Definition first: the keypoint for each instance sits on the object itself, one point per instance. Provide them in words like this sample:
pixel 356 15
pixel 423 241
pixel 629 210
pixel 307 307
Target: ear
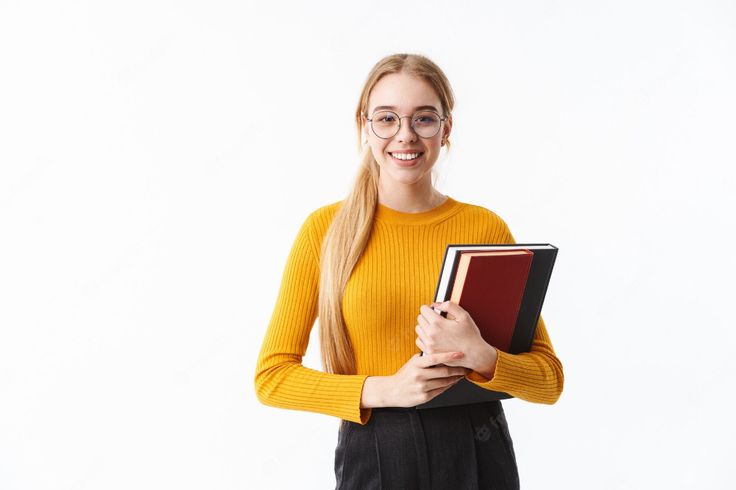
pixel 448 126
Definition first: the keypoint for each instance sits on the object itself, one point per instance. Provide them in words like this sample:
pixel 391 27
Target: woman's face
pixel 404 95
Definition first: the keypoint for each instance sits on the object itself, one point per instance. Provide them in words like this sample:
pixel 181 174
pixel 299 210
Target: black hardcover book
pixel 543 261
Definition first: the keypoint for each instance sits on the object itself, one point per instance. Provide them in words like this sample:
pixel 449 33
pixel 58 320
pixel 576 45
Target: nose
pixel 406 132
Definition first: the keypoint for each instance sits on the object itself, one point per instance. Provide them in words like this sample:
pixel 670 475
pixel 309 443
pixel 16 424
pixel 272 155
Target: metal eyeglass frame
pixel 442 119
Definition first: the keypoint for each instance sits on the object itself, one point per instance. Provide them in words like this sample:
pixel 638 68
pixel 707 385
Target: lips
pixel 400 158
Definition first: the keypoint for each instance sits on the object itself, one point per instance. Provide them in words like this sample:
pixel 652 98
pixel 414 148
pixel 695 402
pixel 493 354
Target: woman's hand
pixel 458 333
pixel 418 382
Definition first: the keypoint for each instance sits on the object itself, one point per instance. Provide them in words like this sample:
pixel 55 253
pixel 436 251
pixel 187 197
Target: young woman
pixel 366 266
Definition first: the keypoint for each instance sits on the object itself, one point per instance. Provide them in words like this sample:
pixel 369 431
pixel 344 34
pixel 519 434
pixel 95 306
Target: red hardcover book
pixel 490 285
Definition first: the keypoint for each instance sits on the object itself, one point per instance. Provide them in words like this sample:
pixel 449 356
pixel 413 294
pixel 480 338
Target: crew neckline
pixel 388 215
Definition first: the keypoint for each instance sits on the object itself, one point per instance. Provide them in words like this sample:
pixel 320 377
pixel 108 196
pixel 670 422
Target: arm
pixel 280 378
pixel 534 376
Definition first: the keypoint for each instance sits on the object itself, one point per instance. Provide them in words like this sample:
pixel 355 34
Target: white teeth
pixel 405 156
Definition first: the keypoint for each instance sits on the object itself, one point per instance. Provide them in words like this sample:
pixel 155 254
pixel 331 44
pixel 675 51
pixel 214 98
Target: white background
pixel 157 159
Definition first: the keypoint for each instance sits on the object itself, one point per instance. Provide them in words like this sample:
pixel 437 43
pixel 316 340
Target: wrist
pixel 374 392
pixel 483 360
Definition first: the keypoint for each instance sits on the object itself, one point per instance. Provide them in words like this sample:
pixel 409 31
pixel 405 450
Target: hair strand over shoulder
pixel 350 230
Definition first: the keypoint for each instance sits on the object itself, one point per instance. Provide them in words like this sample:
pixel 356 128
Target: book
pixel 502 286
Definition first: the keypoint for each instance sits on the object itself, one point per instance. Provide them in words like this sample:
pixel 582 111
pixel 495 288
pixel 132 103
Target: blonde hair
pixel 348 234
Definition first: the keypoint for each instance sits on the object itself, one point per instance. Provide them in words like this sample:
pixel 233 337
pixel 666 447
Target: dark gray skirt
pixel 465 447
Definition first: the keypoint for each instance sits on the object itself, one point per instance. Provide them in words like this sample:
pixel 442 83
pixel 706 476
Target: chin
pixel 407 177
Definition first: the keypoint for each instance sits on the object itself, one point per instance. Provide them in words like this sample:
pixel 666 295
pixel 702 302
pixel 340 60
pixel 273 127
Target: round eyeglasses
pixel 386 124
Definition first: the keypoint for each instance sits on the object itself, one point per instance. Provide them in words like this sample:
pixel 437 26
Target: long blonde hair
pixel 348 234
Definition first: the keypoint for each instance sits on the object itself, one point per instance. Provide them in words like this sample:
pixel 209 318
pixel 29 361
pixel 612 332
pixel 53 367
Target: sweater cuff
pixel 359 415
pixel 499 373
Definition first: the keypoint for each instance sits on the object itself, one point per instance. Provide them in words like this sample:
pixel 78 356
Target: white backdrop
pixel 158 157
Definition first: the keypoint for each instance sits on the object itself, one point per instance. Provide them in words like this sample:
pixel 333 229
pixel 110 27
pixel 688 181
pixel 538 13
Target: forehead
pixel 403 92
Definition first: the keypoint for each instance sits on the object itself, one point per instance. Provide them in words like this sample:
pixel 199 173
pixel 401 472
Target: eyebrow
pixel 393 108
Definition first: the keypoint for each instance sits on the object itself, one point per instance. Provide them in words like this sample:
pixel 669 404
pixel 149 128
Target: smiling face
pixel 405 94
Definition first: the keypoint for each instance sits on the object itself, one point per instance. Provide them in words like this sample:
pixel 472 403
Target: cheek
pixel 377 153
pixel 379 150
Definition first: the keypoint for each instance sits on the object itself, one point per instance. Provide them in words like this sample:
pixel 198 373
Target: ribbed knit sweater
pixel 396 274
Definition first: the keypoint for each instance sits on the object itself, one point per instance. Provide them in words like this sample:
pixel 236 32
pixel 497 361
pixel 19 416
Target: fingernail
pixel 457 355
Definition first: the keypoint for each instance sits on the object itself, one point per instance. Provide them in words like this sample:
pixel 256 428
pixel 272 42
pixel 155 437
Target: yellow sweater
pixel 396 274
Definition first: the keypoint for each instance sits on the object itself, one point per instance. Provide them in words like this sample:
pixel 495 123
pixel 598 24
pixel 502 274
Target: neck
pixel 411 200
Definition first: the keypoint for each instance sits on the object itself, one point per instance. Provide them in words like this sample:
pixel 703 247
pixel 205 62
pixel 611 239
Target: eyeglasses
pixel 386 124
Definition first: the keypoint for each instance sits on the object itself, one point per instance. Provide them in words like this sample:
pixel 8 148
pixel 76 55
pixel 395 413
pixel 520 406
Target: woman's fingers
pixel 439 358
pixel 421 345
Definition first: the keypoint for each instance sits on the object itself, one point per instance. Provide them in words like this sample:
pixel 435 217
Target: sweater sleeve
pixel 535 376
pixel 280 378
